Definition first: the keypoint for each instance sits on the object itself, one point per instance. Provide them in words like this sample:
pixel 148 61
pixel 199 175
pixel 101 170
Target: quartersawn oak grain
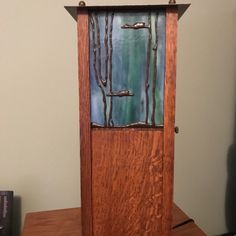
pixel 127 181
pixel 85 128
pixel 169 117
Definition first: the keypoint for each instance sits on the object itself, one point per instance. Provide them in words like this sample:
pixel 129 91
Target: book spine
pixel 6 209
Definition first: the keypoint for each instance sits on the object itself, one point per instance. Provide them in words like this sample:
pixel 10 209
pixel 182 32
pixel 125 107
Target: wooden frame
pixel 86 145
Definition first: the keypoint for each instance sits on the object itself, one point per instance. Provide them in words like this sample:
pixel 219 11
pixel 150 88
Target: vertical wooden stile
pixel 169 117
pixel 85 128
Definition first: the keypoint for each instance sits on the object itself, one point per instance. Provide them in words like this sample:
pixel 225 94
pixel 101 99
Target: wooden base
pixel 67 222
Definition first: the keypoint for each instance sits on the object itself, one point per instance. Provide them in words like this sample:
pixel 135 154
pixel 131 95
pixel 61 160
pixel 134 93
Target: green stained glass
pixel 127 66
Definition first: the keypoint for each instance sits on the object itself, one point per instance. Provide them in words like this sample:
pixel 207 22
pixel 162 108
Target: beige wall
pixel 205 110
pixel 39 141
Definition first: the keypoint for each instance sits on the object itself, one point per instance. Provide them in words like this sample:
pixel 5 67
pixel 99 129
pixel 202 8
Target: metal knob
pixel 176 129
pixel 82 4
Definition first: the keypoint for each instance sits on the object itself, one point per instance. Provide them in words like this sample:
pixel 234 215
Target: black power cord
pixel 183 223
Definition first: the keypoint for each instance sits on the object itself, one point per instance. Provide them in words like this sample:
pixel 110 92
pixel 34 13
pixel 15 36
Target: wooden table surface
pixel 67 222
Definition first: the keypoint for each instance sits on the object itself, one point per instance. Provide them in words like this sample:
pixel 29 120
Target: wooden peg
pixel 176 129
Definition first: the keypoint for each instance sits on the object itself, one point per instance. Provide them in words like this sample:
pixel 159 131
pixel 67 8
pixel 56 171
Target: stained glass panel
pixel 127 64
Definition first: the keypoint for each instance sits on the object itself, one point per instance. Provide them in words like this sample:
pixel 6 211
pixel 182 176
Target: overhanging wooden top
pixel 74 9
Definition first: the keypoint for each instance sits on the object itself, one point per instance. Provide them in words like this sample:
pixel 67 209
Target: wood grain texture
pixel 85 129
pixel 67 222
pixel 169 117
pixel 127 181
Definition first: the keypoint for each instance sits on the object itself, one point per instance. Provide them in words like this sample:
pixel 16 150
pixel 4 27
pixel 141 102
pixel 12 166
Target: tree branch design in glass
pixel 127 64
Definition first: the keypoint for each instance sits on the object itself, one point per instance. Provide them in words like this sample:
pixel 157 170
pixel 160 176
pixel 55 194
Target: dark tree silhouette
pixel 154 74
pixel 97 78
pixel 148 66
pixel 110 121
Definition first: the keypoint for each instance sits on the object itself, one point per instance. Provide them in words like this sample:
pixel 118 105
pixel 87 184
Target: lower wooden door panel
pixel 127 182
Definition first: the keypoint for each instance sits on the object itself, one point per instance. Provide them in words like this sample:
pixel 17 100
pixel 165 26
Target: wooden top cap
pixel 82 6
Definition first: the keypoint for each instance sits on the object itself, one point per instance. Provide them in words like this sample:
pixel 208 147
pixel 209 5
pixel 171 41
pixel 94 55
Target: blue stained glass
pixel 127 66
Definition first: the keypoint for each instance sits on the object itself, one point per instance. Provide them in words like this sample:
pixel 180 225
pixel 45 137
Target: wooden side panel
pixel 85 130
pixel 169 118
pixel 127 181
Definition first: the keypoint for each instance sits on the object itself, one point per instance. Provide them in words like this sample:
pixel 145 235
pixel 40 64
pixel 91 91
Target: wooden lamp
pixel 127 78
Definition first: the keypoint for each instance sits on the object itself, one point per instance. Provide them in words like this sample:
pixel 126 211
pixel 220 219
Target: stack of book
pixel 6 208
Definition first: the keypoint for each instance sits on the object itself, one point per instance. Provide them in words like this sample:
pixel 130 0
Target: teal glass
pixel 127 68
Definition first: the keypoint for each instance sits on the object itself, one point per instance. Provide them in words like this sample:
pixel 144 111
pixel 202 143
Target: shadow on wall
pixel 16 221
pixel 230 200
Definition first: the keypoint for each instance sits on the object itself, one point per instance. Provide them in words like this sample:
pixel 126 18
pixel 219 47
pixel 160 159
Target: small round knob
pixel 172 2
pixel 82 4
pixel 176 129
